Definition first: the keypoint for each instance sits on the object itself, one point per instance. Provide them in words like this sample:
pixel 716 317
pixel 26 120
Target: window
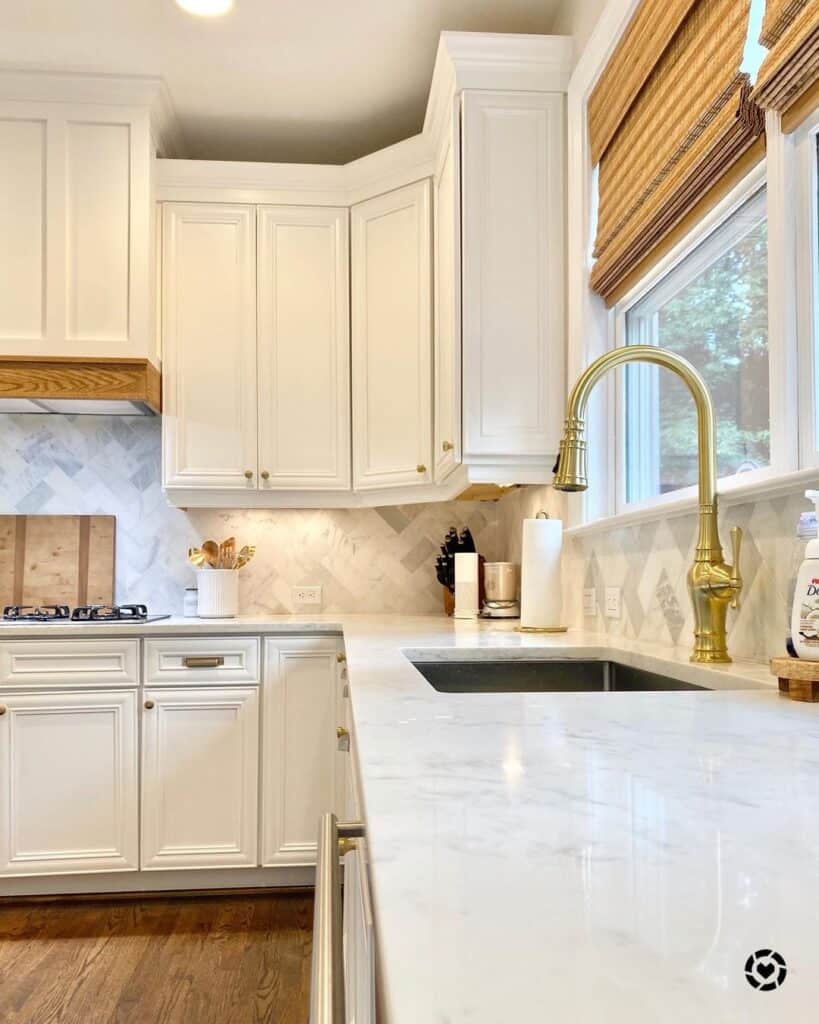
pixel 711 308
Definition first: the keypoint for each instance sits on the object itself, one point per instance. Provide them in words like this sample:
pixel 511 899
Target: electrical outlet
pixel 590 602
pixel 307 596
pixel 613 602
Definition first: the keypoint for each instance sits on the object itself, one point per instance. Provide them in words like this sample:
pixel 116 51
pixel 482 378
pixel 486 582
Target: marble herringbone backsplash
pixel 366 560
pixel 649 562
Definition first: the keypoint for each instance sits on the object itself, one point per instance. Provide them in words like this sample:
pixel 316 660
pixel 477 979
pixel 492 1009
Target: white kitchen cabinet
pixel 200 777
pixel 209 346
pixel 391 339
pixel 302 767
pixel 76 260
pixel 447 343
pixel 512 276
pixel 303 346
pixel 68 782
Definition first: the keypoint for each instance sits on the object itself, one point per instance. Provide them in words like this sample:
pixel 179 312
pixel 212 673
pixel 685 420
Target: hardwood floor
pixel 203 960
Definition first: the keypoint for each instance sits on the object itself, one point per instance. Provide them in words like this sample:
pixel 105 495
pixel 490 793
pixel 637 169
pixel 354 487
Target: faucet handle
pixel 736 575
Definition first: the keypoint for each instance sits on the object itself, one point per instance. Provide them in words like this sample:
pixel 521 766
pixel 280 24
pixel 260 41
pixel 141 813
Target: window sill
pixel 740 493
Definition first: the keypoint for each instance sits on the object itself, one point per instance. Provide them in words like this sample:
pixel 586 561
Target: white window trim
pixel 696 249
pixel 592 328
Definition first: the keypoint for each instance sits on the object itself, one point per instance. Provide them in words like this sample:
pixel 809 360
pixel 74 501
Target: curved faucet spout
pixel 712 584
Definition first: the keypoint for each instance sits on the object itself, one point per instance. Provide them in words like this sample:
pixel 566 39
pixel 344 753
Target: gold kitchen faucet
pixel 712 584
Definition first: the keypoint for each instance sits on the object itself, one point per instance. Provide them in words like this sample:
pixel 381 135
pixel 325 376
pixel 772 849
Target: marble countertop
pixel 582 858
pixel 589 857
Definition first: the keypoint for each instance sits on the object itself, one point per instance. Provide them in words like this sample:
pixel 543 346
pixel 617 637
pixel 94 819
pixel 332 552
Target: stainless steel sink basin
pixel 543 677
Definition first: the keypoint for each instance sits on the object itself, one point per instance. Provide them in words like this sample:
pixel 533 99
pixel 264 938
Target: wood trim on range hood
pixel 42 380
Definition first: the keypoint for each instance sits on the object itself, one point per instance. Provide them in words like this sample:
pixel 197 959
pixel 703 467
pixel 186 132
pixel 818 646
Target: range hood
pixel 77 386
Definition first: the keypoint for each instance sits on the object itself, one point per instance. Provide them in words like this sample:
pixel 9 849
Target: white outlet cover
pixel 307 596
pixel 613 597
pixel 590 602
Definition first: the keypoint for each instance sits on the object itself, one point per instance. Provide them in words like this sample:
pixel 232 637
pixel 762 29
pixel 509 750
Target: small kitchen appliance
pixel 501 586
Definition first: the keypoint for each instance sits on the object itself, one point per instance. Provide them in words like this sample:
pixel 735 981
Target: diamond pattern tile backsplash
pixel 650 561
pixel 366 560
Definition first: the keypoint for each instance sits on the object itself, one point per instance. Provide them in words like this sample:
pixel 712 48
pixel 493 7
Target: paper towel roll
pixel 541 595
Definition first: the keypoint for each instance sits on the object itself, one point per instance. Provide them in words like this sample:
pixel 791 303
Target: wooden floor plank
pixel 209 960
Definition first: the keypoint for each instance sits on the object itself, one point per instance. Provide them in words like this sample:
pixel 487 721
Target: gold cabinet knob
pixel 343 738
pixel 265 475
pixel 148 705
pixel 3 709
pixel 447 446
pixel 341 658
pixel 346 846
pixel 248 474
pixel 420 468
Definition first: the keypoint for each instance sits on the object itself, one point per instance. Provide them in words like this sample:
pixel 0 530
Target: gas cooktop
pixel 85 613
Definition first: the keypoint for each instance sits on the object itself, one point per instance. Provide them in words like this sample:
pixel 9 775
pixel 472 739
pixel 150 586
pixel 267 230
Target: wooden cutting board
pixel 57 560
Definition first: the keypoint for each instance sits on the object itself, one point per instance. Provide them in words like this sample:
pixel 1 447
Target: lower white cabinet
pixel 68 782
pixel 200 777
pixel 302 767
pixel 359 947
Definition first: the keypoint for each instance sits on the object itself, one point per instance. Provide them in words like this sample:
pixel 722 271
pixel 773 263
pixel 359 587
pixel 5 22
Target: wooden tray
pixel 798 680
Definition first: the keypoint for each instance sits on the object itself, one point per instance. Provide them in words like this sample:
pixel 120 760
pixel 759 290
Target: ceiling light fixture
pixel 206 8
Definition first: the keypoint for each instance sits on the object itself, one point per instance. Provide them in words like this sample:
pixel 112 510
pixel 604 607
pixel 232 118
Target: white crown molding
pixel 41 85
pixel 465 60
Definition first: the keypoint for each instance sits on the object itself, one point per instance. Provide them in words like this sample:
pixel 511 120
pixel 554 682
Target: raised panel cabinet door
pixel 200 764
pixel 304 348
pixel 76 210
pixel 68 783
pixel 447 339
pixel 300 756
pixel 513 273
pixel 392 339
pixel 209 346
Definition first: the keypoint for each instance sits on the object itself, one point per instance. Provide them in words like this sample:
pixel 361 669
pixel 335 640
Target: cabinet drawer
pixel 78 664
pixel 202 660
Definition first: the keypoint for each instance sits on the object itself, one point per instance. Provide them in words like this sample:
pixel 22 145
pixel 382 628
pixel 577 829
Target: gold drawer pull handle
pixel 148 705
pixel 447 446
pixel 203 662
pixel 3 709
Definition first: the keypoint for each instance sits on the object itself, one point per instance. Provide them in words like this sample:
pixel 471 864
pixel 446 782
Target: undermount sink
pixel 569 676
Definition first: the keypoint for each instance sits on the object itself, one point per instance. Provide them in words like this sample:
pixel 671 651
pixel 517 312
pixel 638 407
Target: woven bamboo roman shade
pixel 788 80
pixel 668 134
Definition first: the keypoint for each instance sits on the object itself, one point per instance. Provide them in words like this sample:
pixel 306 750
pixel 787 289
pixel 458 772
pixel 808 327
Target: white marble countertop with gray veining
pixel 587 857
pixel 576 857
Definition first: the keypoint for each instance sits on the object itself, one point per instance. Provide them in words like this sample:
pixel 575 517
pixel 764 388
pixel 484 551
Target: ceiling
pixel 321 81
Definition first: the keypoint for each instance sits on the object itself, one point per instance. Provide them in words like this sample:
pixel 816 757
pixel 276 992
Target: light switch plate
pixel 590 602
pixel 613 602
pixel 307 596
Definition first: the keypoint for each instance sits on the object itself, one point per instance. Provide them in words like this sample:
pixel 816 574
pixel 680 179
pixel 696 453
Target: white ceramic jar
pixel 218 593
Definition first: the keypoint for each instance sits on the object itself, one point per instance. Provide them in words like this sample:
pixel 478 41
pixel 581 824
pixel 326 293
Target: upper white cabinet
pixel 304 348
pixel 76 215
pixel 512 275
pixel 447 293
pixel 209 345
pixel 392 339
pixel 435 359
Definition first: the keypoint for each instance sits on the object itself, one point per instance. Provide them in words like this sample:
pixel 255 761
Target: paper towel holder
pixel 542 514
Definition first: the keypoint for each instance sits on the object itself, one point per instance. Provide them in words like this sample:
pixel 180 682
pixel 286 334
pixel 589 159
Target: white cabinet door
pixel 75 224
pixel 447 443
pixel 68 782
pixel 304 342
pixel 302 766
pixel 391 317
pixel 209 346
pixel 200 777
pixel 513 278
